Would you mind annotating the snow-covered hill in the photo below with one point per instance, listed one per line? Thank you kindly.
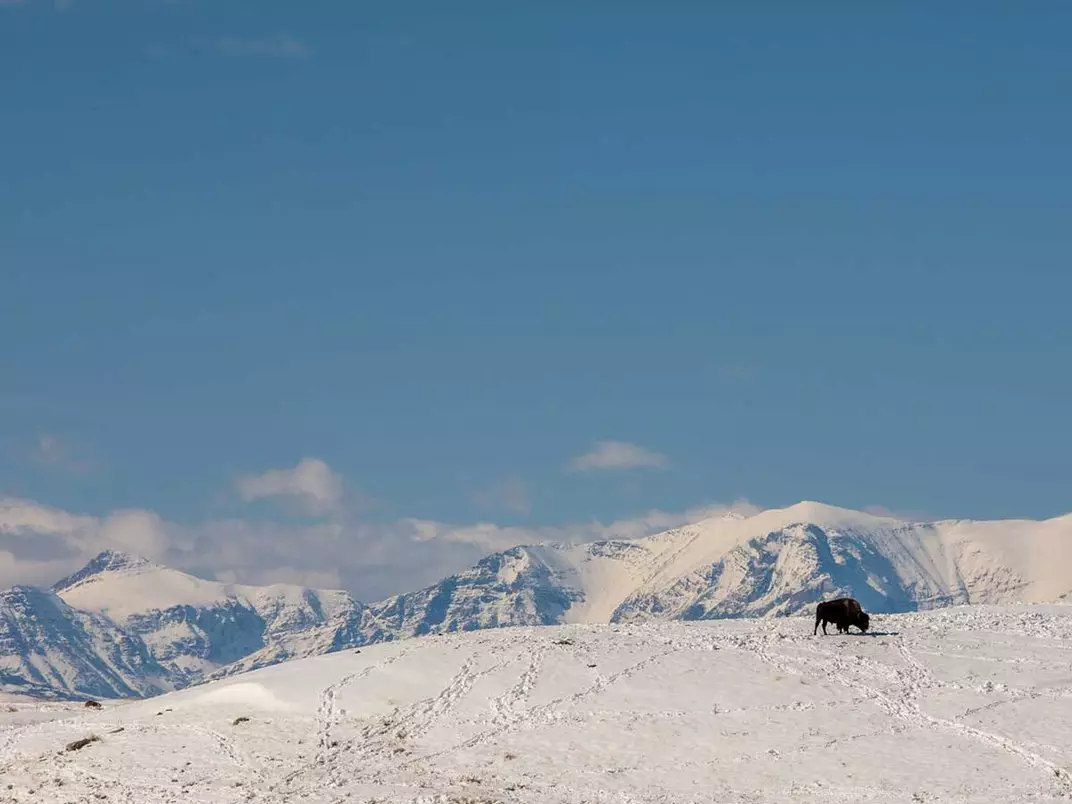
(176, 629)
(967, 704)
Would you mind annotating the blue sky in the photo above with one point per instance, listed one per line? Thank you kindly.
(785, 253)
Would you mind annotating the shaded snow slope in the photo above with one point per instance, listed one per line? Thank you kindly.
(522, 586)
(774, 563)
(47, 648)
(967, 704)
(777, 562)
(194, 626)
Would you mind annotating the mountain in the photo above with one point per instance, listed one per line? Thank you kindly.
(774, 563)
(48, 649)
(124, 626)
(194, 627)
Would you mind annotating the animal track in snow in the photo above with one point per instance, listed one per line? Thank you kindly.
(645, 725)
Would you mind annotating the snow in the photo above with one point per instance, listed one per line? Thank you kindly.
(48, 648)
(605, 583)
(138, 586)
(135, 592)
(123, 625)
(965, 704)
(718, 568)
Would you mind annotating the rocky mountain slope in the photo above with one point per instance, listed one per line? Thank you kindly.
(122, 626)
(774, 563)
(194, 627)
(48, 648)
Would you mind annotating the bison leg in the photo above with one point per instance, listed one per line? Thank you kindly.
(815, 630)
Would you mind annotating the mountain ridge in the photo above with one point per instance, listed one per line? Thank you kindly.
(177, 629)
(103, 562)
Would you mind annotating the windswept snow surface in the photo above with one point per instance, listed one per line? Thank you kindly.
(965, 704)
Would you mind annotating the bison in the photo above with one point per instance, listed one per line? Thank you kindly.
(843, 613)
(92, 705)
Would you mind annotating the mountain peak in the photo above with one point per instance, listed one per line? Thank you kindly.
(820, 513)
(105, 562)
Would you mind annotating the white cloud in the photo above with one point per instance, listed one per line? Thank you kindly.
(26, 518)
(140, 532)
(280, 46)
(26, 572)
(312, 484)
(617, 455)
(492, 538)
(326, 579)
(39, 545)
(904, 516)
(510, 495)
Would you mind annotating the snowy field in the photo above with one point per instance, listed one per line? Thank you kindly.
(967, 704)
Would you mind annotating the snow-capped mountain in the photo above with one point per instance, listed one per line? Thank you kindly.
(194, 627)
(516, 587)
(774, 563)
(123, 626)
(48, 649)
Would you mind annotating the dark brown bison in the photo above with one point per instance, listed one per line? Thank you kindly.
(92, 705)
(842, 612)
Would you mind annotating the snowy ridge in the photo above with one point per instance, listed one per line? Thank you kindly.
(521, 586)
(194, 627)
(967, 704)
(123, 626)
(48, 649)
(775, 563)
(110, 561)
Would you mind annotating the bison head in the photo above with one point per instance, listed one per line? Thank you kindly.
(863, 621)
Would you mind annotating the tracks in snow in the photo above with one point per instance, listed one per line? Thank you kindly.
(468, 700)
(509, 716)
(902, 703)
(390, 746)
(328, 716)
